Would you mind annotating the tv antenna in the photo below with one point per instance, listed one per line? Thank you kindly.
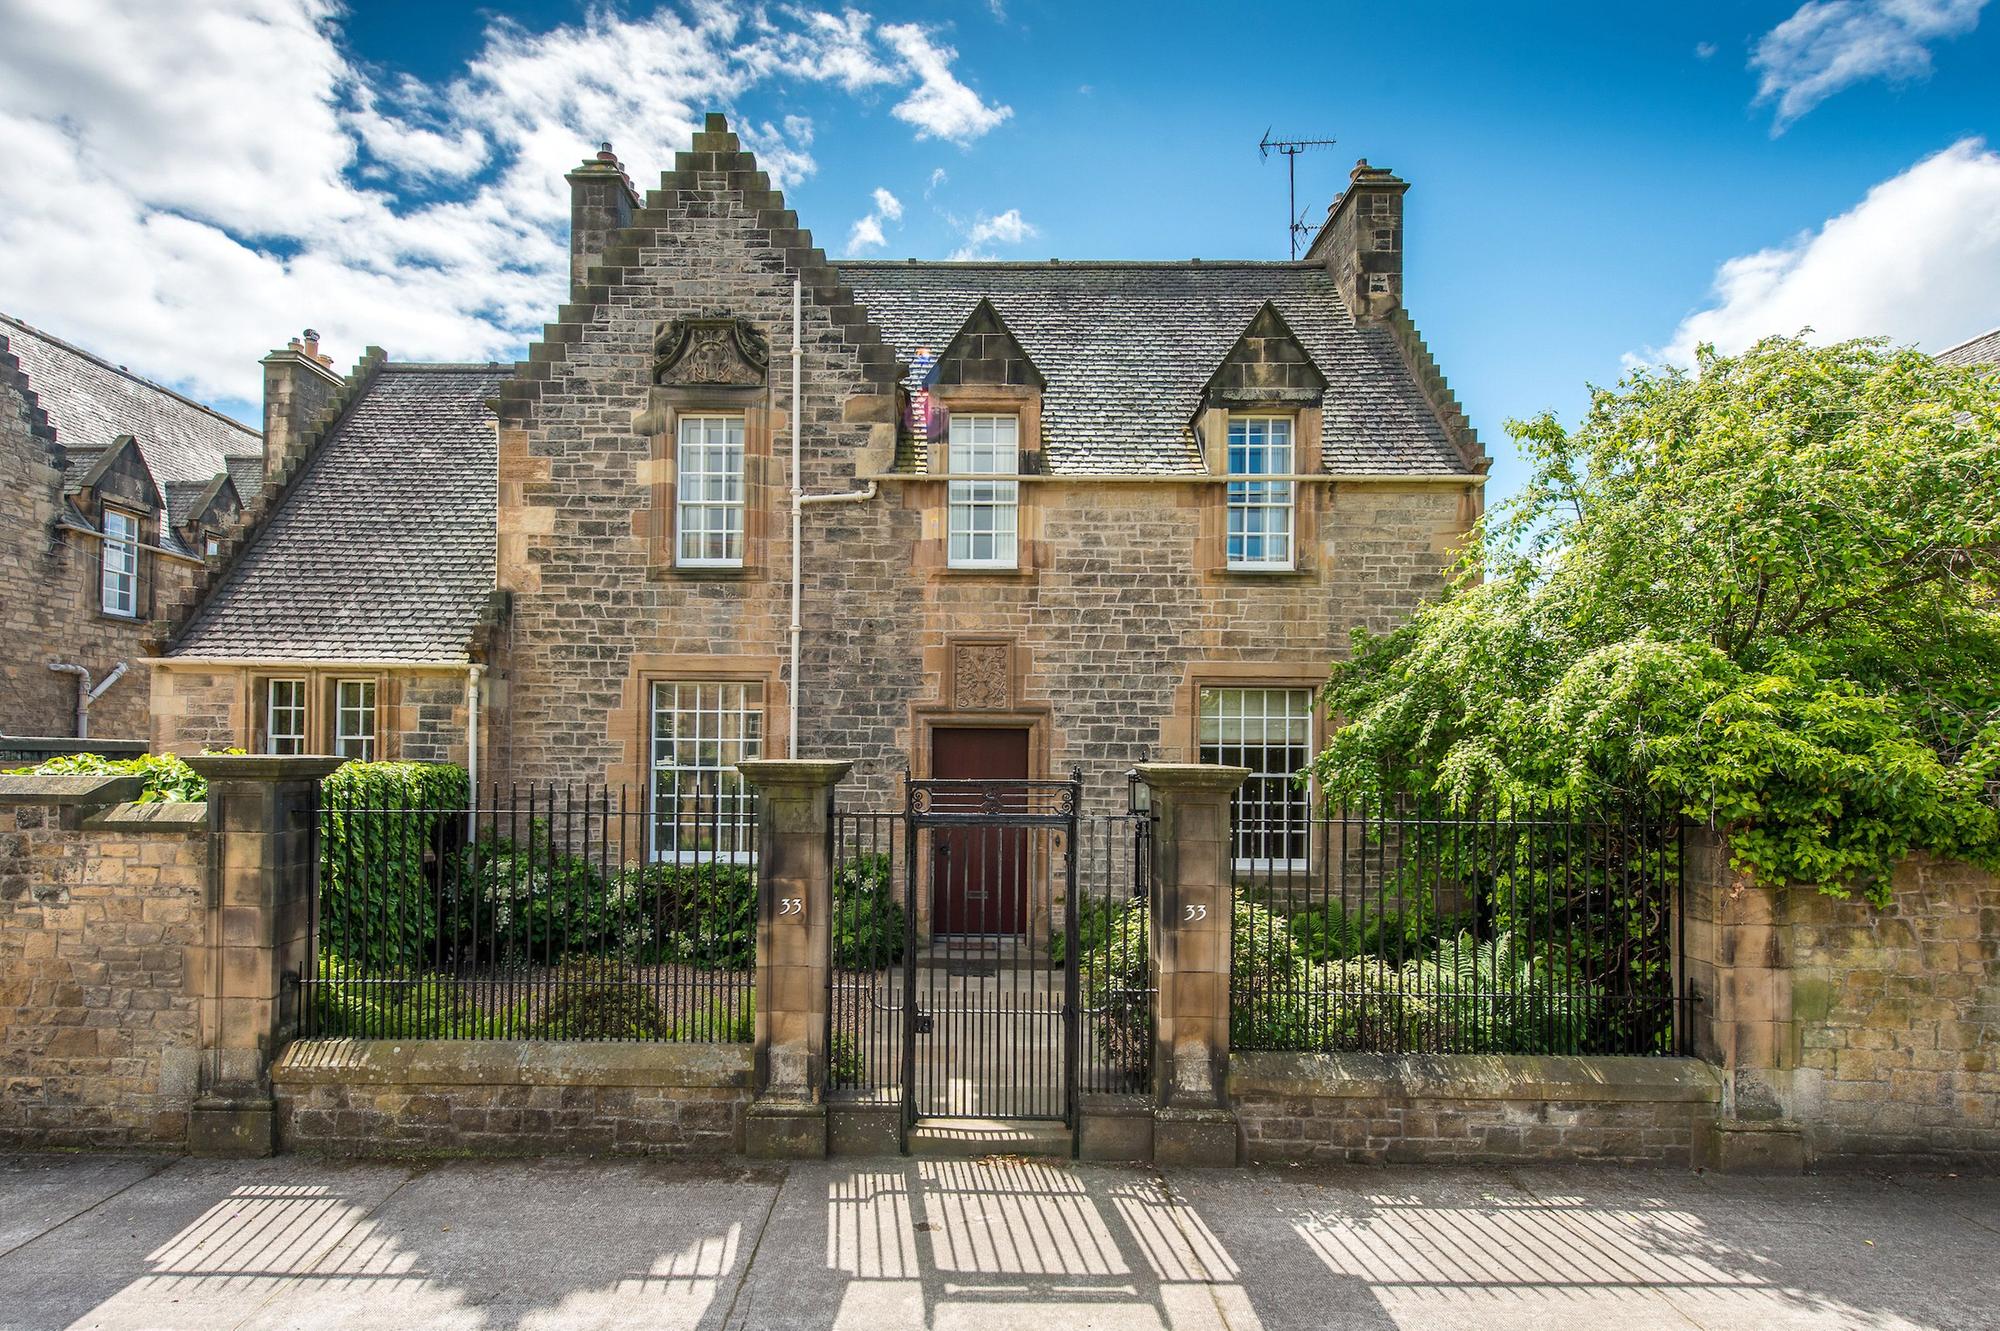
(1291, 148)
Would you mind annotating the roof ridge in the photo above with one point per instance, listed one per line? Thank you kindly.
(448, 367)
(1047, 265)
(141, 379)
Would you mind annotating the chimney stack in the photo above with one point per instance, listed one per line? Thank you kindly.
(298, 384)
(1361, 242)
(601, 200)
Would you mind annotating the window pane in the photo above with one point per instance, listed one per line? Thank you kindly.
(1259, 527)
(708, 481)
(354, 719)
(1268, 731)
(981, 523)
(285, 717)
(985, 445)
(120, 584)
(701, 730)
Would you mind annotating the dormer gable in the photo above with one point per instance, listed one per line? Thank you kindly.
(121, 477)
(1266, 368)
(984, 352)
(214, 508)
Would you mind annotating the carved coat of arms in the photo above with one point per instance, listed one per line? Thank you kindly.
(710, 352)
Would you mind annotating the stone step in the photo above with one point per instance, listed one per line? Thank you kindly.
(972, 1138)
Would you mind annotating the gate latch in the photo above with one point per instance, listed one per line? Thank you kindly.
(925, 1023)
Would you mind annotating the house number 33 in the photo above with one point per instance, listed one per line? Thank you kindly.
(1195, 913)
(792, 906)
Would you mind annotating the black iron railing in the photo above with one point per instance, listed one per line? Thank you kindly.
(535, 913)
(865, 1007)
(1504, 929)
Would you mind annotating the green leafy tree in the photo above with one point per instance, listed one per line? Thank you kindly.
(1764, 590)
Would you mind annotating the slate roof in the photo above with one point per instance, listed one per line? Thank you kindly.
(1981, 350)
(1128, 347)
(381, 549)
(90, 402)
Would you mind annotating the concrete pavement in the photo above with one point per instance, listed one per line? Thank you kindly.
(134, 1242)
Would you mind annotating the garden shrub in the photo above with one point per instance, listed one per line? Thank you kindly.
(597, 1000)
(166, 778)
(719, 1023)
(693, 914)
(868, 921)
(1116, 973)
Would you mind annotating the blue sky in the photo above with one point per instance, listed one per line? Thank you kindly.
(1590, 183)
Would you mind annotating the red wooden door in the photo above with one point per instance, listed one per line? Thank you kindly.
(979, 875)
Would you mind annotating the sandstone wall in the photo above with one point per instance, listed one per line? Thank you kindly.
(101, 932)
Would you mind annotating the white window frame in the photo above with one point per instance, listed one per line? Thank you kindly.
(294, 711)
(347, 741)
(1255, 451)
(987, 446)
(715, 724)
(1266, 791)
(120, 562)
(709, 498)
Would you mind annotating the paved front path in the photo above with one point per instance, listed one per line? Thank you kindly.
(106, 1241)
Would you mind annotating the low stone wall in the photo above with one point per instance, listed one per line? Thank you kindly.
(418, 1097)
(102, 916)
(1897, 1014)
(1467, 1109)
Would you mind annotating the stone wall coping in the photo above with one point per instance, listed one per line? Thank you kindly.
(511, 1063)
(1192, 776)
(765, 772)
(262, 766)
(182, 816)
(1560, 1077)
(70, 791)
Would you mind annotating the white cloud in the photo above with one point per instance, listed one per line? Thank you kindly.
(1917, 260)
(1827, 45)
(188, 185)
(941, 106)
(866, 233)
(1704, 50)
(1008, 228)
(938, 177)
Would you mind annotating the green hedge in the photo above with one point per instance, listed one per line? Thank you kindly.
(386, 829)
(868, 921)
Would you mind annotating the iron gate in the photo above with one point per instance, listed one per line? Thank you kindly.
(990, 1022)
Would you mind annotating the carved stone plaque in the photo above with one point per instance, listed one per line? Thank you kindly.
(710, 352)
(979, 677)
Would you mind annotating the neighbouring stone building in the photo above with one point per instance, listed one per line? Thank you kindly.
(1055, 514)
(114, 490)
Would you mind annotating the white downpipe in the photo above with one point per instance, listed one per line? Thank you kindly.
(472, 675)
(798, 517)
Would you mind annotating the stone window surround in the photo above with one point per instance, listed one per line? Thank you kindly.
(1309, 491)
(321, 680)
(1022, 402)
(630, 721)
(1180, 729)
(660, 423)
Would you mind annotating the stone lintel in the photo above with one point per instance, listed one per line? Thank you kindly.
(70, 792)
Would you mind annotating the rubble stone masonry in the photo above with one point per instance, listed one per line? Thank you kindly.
(101, 922)
(49, 592)
(1121, 610)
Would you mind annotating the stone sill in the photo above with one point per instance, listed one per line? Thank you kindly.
(1532, 1077)
(339, 1062)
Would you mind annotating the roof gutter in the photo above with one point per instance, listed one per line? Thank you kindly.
(1192, 478)
(301, 663)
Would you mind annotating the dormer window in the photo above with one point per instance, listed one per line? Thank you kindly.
(119, 586)
(1260, 511)
(709, 498)
(983, 519)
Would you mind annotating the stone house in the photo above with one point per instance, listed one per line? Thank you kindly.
(1054, 515)
(115, 491)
